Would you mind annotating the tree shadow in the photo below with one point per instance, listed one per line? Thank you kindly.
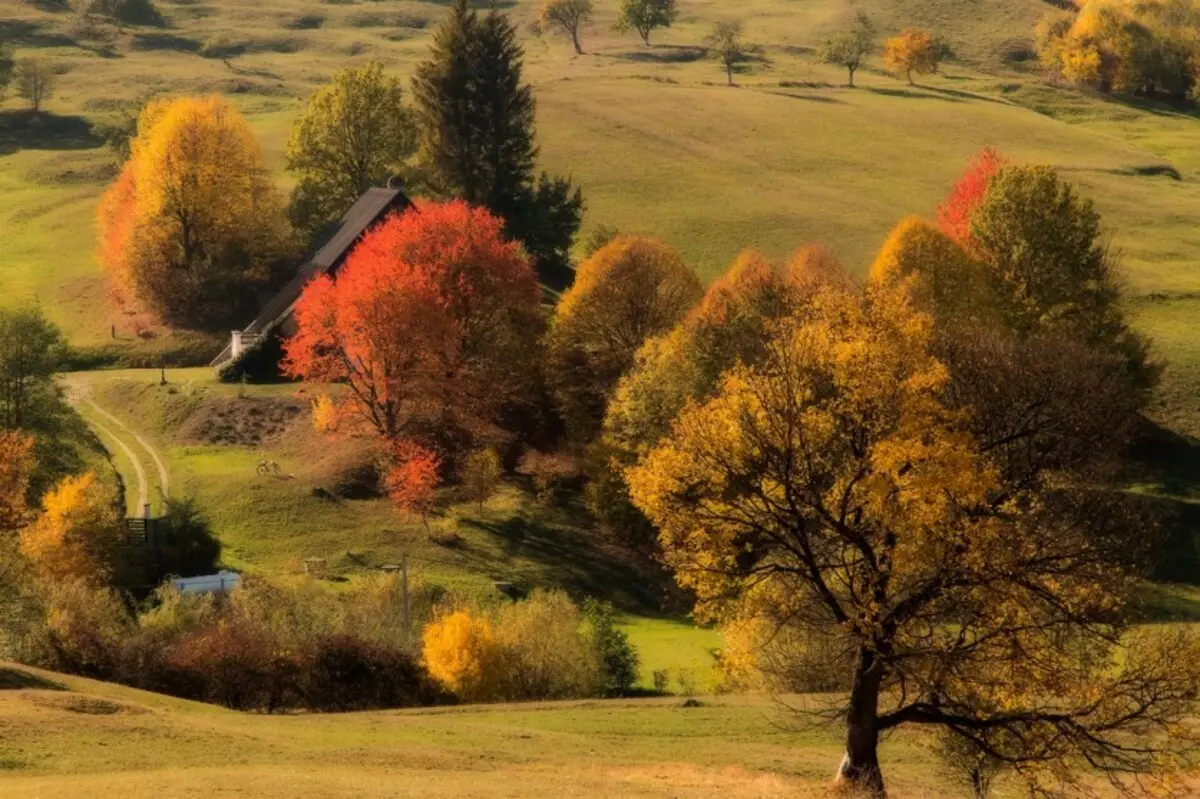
(916, 93)
(1170, 464)
(664, 54)
(50, 6)
(812, 98)
(31, 34)
(17, 680)
(25, 130)
(165, 41)
(573, 559)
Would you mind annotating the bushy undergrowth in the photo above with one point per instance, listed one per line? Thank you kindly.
(544, 647)
(263, 648)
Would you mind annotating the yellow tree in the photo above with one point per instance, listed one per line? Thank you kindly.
(194, 222)
(628, 291)
(952, 563)
(78, 536)
(914, 50)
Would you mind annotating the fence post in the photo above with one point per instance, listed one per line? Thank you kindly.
(404, 592)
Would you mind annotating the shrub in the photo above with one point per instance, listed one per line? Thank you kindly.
(461, 653)
(185, 545)
(235, 666)
(84, 627)
(617, 657)
(544, 651)
(345, 673)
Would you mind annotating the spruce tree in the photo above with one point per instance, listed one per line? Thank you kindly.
(477, 120)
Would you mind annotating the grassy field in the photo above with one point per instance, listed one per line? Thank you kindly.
(658, 143)
(94, 739)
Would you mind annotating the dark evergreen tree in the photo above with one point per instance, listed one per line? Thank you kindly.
(477, 121)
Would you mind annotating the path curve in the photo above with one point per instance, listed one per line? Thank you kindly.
(143, 486)
(164, 482)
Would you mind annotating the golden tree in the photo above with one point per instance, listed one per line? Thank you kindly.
(78, 536)
(16, 466)
(939, 536)
(630, 290)
(914, 50)
(193, 224)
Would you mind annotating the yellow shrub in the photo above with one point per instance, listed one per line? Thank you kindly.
(460, 652)
(78, 535)
(324, 414)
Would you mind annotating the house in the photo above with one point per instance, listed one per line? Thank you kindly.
(369, 210)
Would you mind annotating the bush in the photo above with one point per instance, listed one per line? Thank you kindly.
(539, 648)
(344, 673)
(460, 651)
(618, 658)
(84, 628)
(185, 544)
(544, 651)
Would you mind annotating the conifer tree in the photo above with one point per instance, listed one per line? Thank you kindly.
(476, 118)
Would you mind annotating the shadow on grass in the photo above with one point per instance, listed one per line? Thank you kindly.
(165, 41)
(25, 130)
(664, 54)
(1168, 465)
(17, 680)
(30, 34)
(575, 561)
(919, 93)
(812, 98)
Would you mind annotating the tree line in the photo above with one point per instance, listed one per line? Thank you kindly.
(1148, 48)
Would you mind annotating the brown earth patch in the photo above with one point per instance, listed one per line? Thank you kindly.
(243, 421)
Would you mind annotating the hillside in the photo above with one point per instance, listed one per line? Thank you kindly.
(69, 737)
(659, 145)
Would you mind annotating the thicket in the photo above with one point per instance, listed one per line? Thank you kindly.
(1125, 47)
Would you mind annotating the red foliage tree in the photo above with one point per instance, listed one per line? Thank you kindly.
(954, 215)
(413, 479)
(432, 323)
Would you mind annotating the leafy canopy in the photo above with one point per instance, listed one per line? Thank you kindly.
(630, 290)
(354, 134)
(193, 225)
(849, 48)
(646, 16)
(431, 323)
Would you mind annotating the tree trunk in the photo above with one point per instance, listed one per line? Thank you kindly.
(860, 765)
(729, 70)
(575, 39)
(910, 80)
(851, 77)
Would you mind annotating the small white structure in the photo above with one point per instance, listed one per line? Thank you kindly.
(220, 583)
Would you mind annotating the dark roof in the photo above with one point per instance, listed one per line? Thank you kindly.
(367, 211)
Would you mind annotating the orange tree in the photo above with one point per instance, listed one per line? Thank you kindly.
(432, 325)
(938, 534)
(912, 51)
(193, 224)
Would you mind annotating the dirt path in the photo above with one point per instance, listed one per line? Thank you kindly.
(143, 485)
(80, 395)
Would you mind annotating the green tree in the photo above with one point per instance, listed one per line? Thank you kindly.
(476, 122)
(726, 44)
(848, 49)
(355, 133)
(481, 474)
(568, 15)
(645, 16)
(31, 352)
(1049, 267)
(35, 77)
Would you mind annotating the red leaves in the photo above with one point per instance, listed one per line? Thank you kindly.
(954, 215)
(432, 323)
(414, 477)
